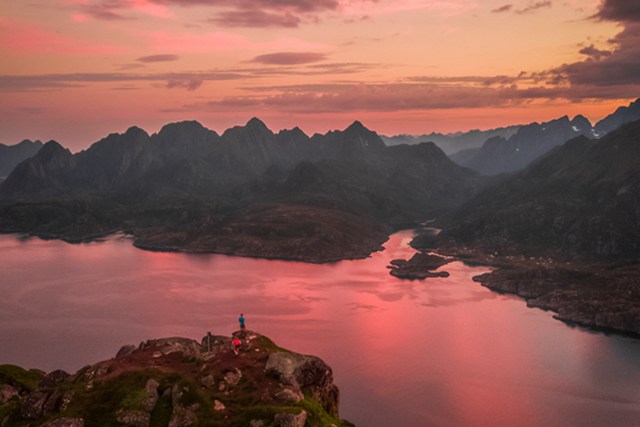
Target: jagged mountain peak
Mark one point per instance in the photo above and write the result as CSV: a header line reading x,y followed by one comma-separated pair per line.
x,y
255,122
51,148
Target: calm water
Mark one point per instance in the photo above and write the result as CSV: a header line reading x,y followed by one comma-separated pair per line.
x,y
444,352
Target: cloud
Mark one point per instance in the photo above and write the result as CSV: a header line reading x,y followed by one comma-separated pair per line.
x,y
356,97
303,6
534,7
289,58
619,11
255,18
190,84
191,81
501,9
594,53
158,58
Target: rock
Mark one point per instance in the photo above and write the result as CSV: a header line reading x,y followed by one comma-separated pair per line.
x,y
125,351
33,405
152,394
256,423
208,381
65,422
164,346
232,378
7,393
291,420
307,372
133,418
181,416
419,267
53,379
289,395
218,406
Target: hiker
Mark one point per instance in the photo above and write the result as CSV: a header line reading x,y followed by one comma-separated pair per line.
x,y
241,320
236,345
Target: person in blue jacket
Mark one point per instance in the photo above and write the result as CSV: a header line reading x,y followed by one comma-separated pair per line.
x,y
241,320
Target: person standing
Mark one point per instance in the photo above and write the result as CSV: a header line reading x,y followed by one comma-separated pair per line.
x,y
241,320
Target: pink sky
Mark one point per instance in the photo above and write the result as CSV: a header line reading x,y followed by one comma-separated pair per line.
x,y
76,70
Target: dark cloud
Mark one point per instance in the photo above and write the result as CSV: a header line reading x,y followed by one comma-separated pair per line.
x,y
158,58
172,80
312,99
256,18
190,84
621,66
619,10
303,6
289,58
108,10
595,53
501,9
534,7
230,13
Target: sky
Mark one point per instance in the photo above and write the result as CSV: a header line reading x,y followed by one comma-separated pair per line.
x,y
77,70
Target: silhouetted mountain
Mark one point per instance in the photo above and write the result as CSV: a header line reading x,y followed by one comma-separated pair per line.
x,y
498,155
453,142
621,116
580,198
11,155
510,154
46,172
185,186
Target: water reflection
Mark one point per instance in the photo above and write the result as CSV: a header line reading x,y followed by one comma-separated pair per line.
x,y
439,352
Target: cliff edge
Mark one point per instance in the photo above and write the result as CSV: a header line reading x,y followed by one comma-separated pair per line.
x,y
178,382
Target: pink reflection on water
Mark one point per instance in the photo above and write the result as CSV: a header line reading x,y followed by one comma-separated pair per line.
x,y
437,352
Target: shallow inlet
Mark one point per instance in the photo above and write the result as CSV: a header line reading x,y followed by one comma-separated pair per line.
x,y
439,352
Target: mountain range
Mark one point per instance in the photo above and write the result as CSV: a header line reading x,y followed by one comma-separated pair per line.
x,y
579,198
188,188
452,143
503,154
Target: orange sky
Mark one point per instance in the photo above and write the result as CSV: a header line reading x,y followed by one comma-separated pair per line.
x,y
76,70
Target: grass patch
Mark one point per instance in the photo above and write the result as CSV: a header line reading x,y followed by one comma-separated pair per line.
x,y
318,417
19,377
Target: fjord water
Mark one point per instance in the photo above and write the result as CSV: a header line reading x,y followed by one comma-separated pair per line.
x,y
440,352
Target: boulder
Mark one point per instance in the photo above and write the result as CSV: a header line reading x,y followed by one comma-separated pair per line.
x,y
291,420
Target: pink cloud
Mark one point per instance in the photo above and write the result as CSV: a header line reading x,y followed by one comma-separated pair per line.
x,y
23,37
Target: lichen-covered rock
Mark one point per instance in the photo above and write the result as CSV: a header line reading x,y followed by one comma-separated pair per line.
x,y
133,418
291,420
289,395
151,388
7,393
33,405
125,351
309,373
65,422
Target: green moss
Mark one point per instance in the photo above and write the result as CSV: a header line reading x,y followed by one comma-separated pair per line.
x,y
161,414
98,406
19,377
318,417
11,412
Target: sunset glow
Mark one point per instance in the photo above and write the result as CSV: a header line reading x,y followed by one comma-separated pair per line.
x,y
76,70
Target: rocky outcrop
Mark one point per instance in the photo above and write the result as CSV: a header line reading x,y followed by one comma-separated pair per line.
x,y
420,266
600,298
178,382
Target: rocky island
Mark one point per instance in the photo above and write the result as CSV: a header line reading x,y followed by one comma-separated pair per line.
x,y
178,382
